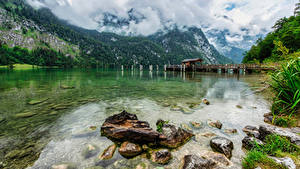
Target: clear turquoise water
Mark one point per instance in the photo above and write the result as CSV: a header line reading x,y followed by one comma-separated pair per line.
x,y
67,102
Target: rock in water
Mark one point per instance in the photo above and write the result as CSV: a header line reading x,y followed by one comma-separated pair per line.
x,y
196,125
222,145
64,166
161,156
216,124
265,130
128,149
195,162
205,101
126,127
250,142
175,137
90,151
230,131
251,131
108,153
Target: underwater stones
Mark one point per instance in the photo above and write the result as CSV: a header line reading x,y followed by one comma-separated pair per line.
x,y
230,131
93,127
286,162
174,137
196,125
266,130
35,102
207,134
251,131
216,124
219,159
64,166
250,142
196,162
126,127
239,106
128,149
108,153
162,156
90,151
222,145
175,108
25,114
186,127
205,101
67,87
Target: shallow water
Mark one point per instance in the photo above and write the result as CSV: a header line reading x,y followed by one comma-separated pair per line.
x,y
56,130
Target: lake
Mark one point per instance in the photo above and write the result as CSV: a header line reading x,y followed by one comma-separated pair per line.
x,y
50,116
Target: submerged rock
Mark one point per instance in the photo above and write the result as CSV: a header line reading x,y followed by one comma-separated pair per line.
x,y
251,131
216,124
64,166
35,102
126,127
196,125
25,114
222,145
196,162
90,151
286,161
219,159
250,142
67,87
265,130
161,156
174,137
239,106
205,101
207,134
108,153
186,127
128,149
230,131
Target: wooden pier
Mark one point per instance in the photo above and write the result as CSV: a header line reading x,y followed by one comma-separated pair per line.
x,y
223,68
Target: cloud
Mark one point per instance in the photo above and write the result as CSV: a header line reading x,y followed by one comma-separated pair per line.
x,y
239,17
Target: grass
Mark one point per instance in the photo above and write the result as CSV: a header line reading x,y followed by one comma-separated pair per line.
x,y
285,121
286,82
274,146
160,125
20,66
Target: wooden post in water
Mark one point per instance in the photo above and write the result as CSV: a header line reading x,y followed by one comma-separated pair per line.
x,y
184,67
150,68
157,68
165,68
141,67
122,68
132,67
181,68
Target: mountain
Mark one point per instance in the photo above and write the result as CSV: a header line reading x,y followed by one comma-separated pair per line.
x,y
94,48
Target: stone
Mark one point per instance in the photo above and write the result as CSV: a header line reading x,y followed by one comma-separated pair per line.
x,y
205,101
161,156
230,131
186,127
222,145
219,159
174,137
64,166
93,127
286,161
196,162
90,151
216,124
108,153
196,125
25,115
208,134
175,108
126,127
35,102
251,131
129,150
239,106
265,130
251,142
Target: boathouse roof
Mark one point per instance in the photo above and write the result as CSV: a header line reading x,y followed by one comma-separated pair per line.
x,y
192,60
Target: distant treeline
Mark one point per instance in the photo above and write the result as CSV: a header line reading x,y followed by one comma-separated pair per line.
x,y
283,42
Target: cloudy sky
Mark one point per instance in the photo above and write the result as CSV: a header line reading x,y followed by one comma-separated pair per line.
x,y
239,17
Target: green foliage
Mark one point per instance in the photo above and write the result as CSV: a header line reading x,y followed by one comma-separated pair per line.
x,y
285,121
160,125
274,146
286,82
278,44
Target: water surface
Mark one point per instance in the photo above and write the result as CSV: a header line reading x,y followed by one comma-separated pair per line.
x,y
46,115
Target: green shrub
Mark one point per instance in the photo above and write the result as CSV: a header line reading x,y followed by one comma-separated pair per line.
x,y
160,125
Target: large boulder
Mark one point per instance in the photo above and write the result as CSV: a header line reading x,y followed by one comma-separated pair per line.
x,y
266,130
222,145
174,136
161,156
250,142
251,131
127,127
196,162
129,150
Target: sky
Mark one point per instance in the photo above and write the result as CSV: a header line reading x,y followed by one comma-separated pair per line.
x,y
238,17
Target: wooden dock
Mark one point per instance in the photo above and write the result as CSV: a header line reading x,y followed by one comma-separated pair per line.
x,y
223,68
